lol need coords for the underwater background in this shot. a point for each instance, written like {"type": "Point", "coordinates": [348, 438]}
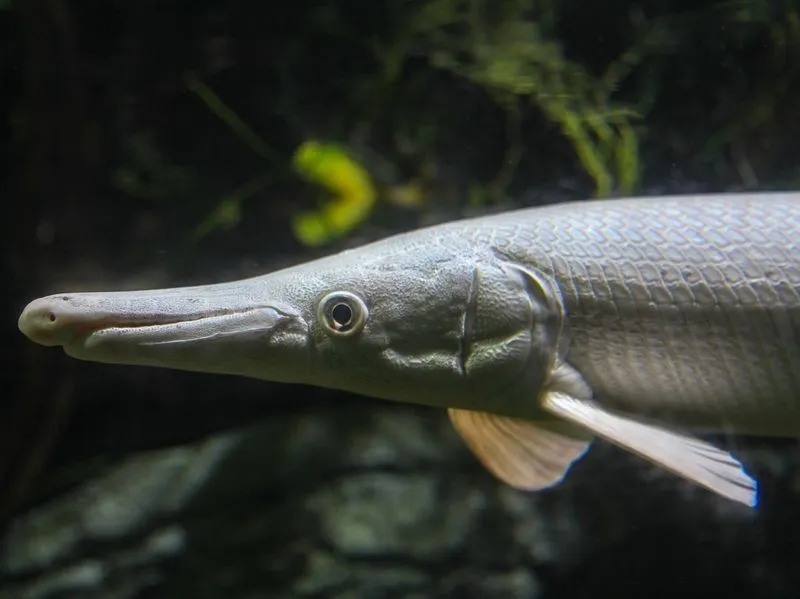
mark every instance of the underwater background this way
{"type": "Point", "coordinates": [159, 143]}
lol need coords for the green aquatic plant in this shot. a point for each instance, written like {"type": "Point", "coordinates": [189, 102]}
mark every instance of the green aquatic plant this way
{"type": "Point", "coordinates": [228, 212]}
{"type": "Point", "coordinates": [352, 193]}
{"type": "Point", "coordinates": [227, 115]}
{"type": "Point", "coordinates": [351, 189]}
{"type": "Point", "coordinates": [517, 51]}
{"type": "Point", "coordinates": [512, 55]}
{"type": "Point", "coordinates": [509, 49]}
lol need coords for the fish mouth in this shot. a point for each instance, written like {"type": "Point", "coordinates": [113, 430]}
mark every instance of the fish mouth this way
{"type": "Point", "coordinates": [243, 328]}
{"type": "Point", "coordinates": [241, 324]}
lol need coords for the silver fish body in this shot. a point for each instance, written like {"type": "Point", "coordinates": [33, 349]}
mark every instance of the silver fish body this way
{"type": "Point", "coordinates": [628, 319]}
{"type": "Point", "coordinates": [686, 309]}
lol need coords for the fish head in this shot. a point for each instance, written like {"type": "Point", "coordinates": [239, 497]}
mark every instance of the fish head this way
{"type": "Point", "coordinates": [432, 324]}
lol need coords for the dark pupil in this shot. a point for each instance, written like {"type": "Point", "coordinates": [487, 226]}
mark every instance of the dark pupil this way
{"type": "Point", "coordinates": [342, 314]}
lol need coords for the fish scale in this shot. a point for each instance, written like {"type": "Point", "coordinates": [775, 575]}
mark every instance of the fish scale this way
{"type": "Point", "coordinates": [610, 321]}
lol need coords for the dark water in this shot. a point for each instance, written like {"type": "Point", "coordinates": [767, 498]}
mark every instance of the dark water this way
{"type": "Point", "coordinates": [122, 170]}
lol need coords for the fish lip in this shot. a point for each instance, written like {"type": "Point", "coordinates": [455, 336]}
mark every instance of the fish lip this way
{"type": "Point", "coordinates": [262, 321]}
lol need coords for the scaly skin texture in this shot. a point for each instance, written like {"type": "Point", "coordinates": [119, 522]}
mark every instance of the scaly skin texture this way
{"type": "Point", "coordinates": [684, 309]}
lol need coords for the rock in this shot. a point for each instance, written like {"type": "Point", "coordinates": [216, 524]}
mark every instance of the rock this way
{"type": "Point", "coordinates": [519, 583]}
{"type": "Point", "coordinates": [393, 514]}
{"type": "Point", "coordinates": [118, 504]}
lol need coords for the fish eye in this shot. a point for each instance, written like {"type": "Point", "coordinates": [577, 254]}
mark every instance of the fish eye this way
{"type": "Point", "coordinates": [342, 313]}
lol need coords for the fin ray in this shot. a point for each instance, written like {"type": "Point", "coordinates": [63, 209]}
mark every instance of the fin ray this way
{"type": "Point", "coordinates": [526, 454]}
{"type": "Point", "coordinates": [685, 456]}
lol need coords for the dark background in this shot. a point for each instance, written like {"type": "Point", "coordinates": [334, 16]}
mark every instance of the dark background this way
{"type": "Point", "coordinates": [110, 162]}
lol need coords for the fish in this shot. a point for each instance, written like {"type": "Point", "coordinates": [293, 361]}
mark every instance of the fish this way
{"type": "Point", "coordinates": [646, 322]}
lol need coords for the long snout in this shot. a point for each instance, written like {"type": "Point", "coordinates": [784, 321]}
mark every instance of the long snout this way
{"type": "Point", "coordinates": [219, 328]}
{"type": "Point", "coordinates": [177, 314]}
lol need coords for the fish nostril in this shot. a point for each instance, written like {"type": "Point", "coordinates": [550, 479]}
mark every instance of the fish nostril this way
{"type": "Point", "coordinates": [51, 317]}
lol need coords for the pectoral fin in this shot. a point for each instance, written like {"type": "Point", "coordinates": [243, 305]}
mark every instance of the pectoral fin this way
{"type": "Point", "coordinates": [690, 458]}
{"type": "Point", "coordinates": [525, 454]}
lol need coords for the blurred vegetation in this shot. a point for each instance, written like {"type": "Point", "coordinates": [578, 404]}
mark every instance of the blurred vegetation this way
{"type": "Point", "coordinates": [353, 193]}
{"type": "Point", "coordinates": [511, 50]}
{"type": "Point", "coordinates": [328, 165]}
{"type": "Point", "coordinates": [518, 54]}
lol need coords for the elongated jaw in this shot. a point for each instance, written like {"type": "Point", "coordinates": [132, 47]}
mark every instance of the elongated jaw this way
{"type": "Point", "coordinates": [67, 321]}
{"type": "Point", "coordinates": [216, 328]}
